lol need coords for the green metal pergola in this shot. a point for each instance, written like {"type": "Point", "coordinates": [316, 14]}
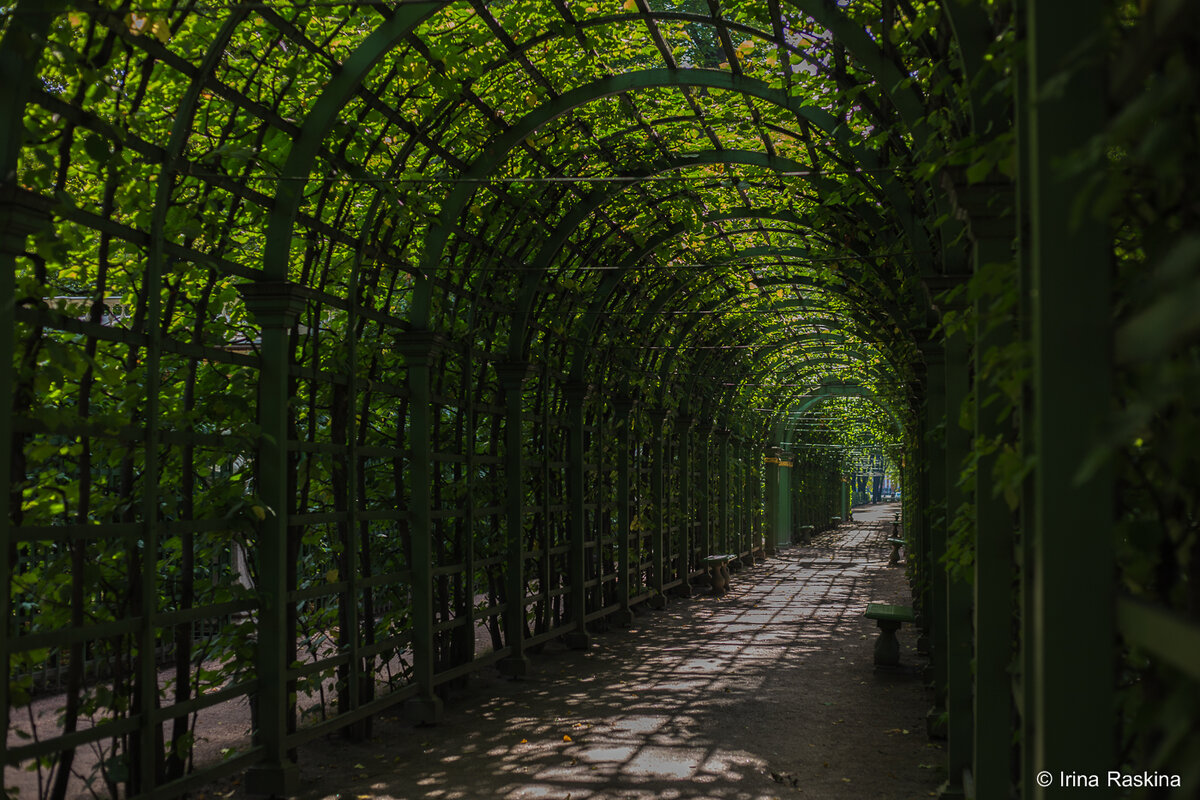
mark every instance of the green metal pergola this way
{"type": "Point", "coordinates": [342, 331]}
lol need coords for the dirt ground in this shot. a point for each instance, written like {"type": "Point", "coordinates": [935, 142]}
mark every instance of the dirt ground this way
{"type": "Point", "coordinates": [766, 692]}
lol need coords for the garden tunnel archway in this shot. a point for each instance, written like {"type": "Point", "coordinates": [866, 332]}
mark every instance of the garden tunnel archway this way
{"type": "Point", "coordinates": [501, 316]}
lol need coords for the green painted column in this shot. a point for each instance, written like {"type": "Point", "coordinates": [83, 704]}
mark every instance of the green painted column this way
{"type": "Point", "coordinates": [705, 492]}
{"type": "Point", "coordinates": [758, 503]}
{"type": "Point", "coordinates": [420, 349]}
{"type": "Point", "coordinates": [658, 420]}
{"type": "Point", "coordinates": [771, 491]}
{"type": "Point", "coordinates": [959, 600]}
{"type": "Point", "coordinates": [683, 430]}
{"type": "Point", "coordinates": [741, 538]}
{"type": "Point", "coordinates": [755, 502]}
{"type": "Point", "coordinates": [990, 213]}
{"type": "Point", "coordinates": [737, 493]}
{"type": "Point", "coordinates": [19, 57]}
{"type": "Point", "coordinates": [800, 484]}
{"type": "Point", "coordinates": [797, 509]}
{"type": "Point", "coordinates": [781, 528]}
{"type": "Point", "coordinates": [547, 576]}
{"type": "Point", "coordinates": [623, 419]}
{"type": "Point", "coordinates": [723, 490]}
{"type": "Point", "coordinates": [918, 520]}
{"type": "Point", "coordinates": [1073, 652]}
{"type": "Point", "coordinates": [745, 537]}
{"type": "Point", "coordinates": [576, 396]}
{"type": "Point", "coordinates": [17, 223]}
{"type": "Point", "coordinates": [512, 376]}
{"type": "Point", "coordinates": [1024, 679]}
{"type": "Point", "coordinates": [466, 635]}
{"type": "Point", "coordinates": [935, 509]}
{"type": "Point", "coordinates": [275, 307]}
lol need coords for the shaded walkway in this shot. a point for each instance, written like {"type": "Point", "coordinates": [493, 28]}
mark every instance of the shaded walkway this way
{"type": "Point", "coordinates": [766, 692]}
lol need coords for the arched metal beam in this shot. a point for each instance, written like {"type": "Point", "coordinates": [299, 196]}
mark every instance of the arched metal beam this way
{"type": "Point", "coordinates": [608, 284]}
{"type": "Point", "coordinates": [823, 393]}
{"type": "Point", "coordinates": [549, 252]}
{"type": "Point", "coordinates": [320, 121]}
{"type": "Point", "coordinates": [503, 144]}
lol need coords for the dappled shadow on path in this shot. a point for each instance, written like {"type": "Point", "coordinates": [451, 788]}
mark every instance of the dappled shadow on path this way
{"type": "Point", "coordinates": [766, 692]}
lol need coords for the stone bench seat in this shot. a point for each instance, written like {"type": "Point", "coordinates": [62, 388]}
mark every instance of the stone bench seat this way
{"type": "Point", "coordinates": [889, 618]}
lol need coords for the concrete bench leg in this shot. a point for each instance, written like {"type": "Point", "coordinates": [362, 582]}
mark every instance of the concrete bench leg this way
{"type": "Point", "coordinates": [719, 577]}
{"type": "Point", "coordinates": [887, 646]}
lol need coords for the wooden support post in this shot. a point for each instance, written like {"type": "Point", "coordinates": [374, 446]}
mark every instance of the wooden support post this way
{"type": "Point", "coordinates": [512, 376]}
{"type": "Point", "coordinates": [420, 348]}
{"type": "Point", "coordinates": [1072, 708]}
{"type": "Point", "coordinates": [576, 396]}
{"type": "Point", "coordinates": [275, 307]}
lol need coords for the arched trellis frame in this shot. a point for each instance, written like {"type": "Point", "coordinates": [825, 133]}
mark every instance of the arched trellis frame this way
{"type": "Point", "coordinates": [340, 293]}
{"type": "Point", "coordinates": [441, 376]}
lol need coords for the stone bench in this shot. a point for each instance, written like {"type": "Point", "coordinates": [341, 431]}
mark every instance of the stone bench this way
{"type": "Point", "coordinates": [888, 618]}
{"type": "Point", "coordinates": [718, 571]}
{"type": "Point", "coordinates": [896, 545]}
